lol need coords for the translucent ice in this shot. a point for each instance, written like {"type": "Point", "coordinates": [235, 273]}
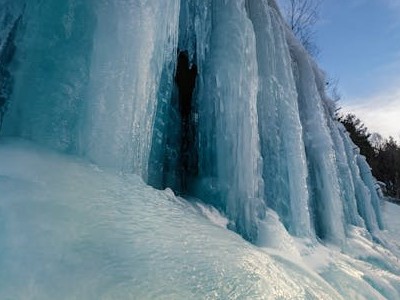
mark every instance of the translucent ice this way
{"type": "Point", "coordinates": [250, 132]}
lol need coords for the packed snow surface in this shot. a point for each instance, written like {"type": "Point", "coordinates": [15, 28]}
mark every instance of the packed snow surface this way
{"type": "Point", "coordinates": [71, 230]}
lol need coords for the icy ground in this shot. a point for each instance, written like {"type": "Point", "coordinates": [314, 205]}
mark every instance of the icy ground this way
{"type": "Point", "coordinates": [69, 230]}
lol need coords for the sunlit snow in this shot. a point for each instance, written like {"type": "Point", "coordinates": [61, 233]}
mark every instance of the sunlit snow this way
{"type": "Point", "coordinates": [70, 230]}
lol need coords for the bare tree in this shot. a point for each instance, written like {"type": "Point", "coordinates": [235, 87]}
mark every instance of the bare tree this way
{"type": "Point", "coordinates": [302, 15]}
{"type": "Point", "coordinates": [377, 141]}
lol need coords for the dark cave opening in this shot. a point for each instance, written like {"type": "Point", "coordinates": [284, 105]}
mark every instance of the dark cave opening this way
{"type": "Point", "coordinates": [185, 79]}
{"type": "Point", "coordinates": [174, 153]}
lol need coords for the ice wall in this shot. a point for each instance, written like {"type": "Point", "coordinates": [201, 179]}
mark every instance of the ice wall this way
{"type": "Point", "coordinates": [10, 19]}
{"type": "Point", "coordinates": [323, 182]}
{"type": "Point", "coordinates": [52, 58]}
{"type": "Point", "coordinates": [229, 142]}
{"type": "Point", "coordinates": [254, 131]}
{"type": "Point", "coordinates": [284, 165]}
{"type": "Point", "coordinates": [134, 47]}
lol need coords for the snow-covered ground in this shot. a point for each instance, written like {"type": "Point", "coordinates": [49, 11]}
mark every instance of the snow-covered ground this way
{"type": "Point", "coordinates": [70, 230]}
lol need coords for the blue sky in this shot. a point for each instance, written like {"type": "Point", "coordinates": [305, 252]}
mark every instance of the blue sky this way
{"type": "Point", "coordinates": [360, 45]}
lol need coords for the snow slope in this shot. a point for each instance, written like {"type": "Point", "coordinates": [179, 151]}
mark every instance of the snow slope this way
{"type": "Point", "coordinates": [71, 230]}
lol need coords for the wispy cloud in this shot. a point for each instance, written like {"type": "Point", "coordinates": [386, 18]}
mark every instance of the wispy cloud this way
{"type": "Point", "coordinates": [380, 113]}
{"type": "Point", "coordinates": [358, 3]}
{"type": "Point", "coordinates": [392, 3]}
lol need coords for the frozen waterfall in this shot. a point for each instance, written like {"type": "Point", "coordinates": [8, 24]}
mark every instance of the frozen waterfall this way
{"type": "Point", "coordinates": [252, 131]}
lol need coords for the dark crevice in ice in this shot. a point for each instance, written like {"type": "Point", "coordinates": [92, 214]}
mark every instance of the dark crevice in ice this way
{"type": "Point", "coordinates": [7, 52]}
{"type": "Point", "coordinates": [185, 79]}
{"type": "Point", "coordinates": [174, 154]}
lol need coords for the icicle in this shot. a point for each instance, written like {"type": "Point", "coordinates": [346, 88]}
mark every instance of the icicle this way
{"type": "Point", "coordinates": [285, 169]}
{"type": "Point", "coordinates": [133, 43]}
{"type": "Point", "coordinates": [326, 203]}
{"type": "Point", "coordinates": [228, 123]}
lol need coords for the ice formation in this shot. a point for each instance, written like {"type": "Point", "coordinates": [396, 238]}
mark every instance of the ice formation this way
{"type": "Point", "coordinates": [213, 99]}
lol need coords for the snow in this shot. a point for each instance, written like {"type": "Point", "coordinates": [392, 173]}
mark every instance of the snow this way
{"type": "Point", "coordinates": [70, 229]}
{"type": "Point", "coordinates": [213, 215]}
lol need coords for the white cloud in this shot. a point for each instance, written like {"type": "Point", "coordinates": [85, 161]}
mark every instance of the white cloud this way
{"type": "Point", "coordinates": [393, 3]}
{"type": "Point", "coordinates": [380, 113]}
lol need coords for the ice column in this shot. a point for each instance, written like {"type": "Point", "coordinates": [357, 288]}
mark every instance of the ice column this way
{"type": "Point", "coordinates": [285, 167]}
{"type": "Point", "coordinates": [326, 203]}
{"type": "Point", "coordinates": [228, 123]}
{"type": "Point", "coordinates": [134, 42]}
